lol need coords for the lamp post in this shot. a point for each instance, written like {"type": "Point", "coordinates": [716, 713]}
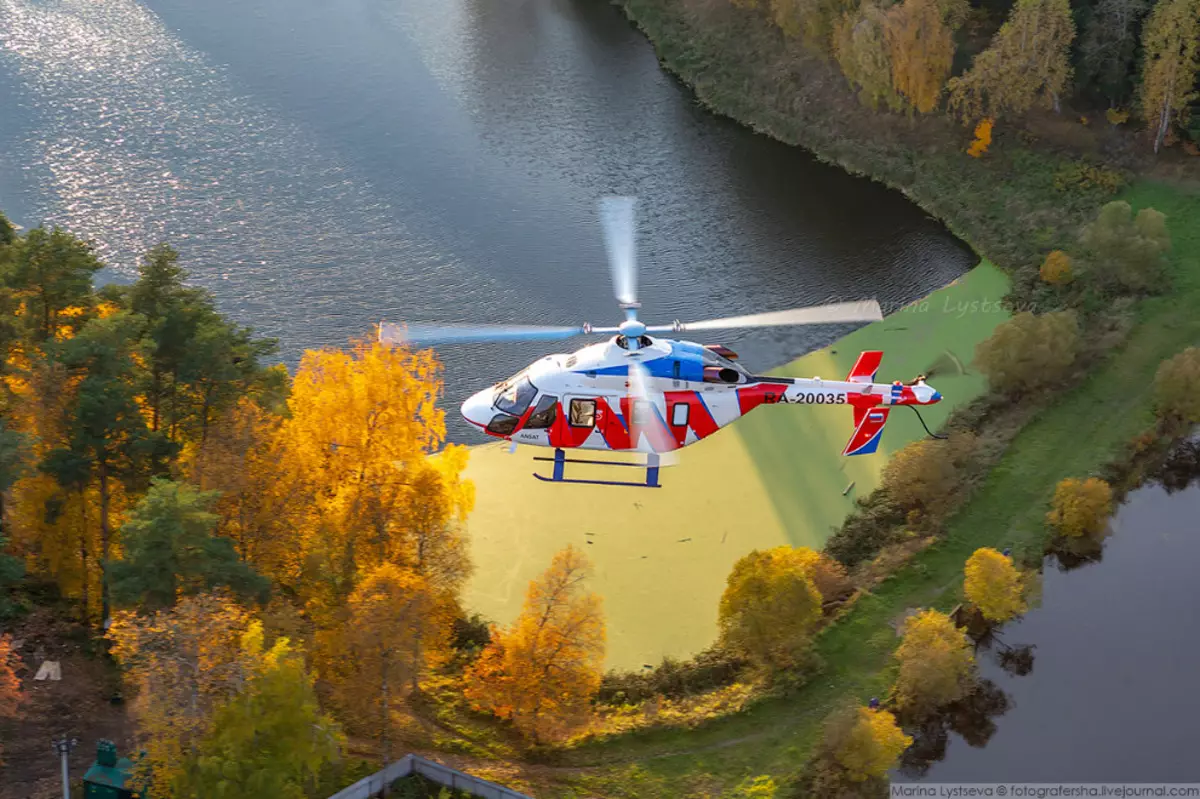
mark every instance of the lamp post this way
{"type": "Point", "coordinates": [64, 746]}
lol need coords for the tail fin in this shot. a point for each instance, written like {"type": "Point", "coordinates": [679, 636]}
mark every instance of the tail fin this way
{"type": "Point", "coordinates": [865, 367]}
{"type": "Point", "coordinates": [868, 431]}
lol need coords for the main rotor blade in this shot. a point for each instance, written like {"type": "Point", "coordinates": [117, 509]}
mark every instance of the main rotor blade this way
{"type": "Point", "coordinates": [616, 215]}
{"type": "Point", "coordinates": [461, 334]}
{"type": "Point", "coordinates": [864, 311]}
{"type": "Point", "coordinates": [641, 418]}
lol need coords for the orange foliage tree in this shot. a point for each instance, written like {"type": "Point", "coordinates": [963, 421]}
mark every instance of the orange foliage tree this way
{"type": "Point", "coordinates": [1056, 269]}
{"type": "Point", "coordinates": [12, 698]}
{"type": "Point", "coordinates": [983, 138]}
{"type": "Point", "coordinates": [543, 670]}
{"type": "Point", "coordinates": [770, 606]}
{"type": "Point", "coordinates": [922, 49]}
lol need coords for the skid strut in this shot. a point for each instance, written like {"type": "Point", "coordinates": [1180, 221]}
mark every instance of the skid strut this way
{"type": "Point", "coordinates": [560, 462]}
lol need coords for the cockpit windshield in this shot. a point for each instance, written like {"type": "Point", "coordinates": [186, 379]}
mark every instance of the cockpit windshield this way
{"type": "Point", "coordinates": [515, 395]}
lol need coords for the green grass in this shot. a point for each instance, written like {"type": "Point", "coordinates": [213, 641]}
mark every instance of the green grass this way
{"type": "Point", "coordinates": [775, 477]}
{"type": "Point", "coordinates": [1074, 437]}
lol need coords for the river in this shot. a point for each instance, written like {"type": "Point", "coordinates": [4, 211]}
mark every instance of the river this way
{"type": "Point", "coordinates": [322, 165]}
{"type": "Point", "coordinates": [1115, 641]}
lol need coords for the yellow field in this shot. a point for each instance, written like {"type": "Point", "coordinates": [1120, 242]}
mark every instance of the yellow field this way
{"type": "Point", "coordinates": [774, 477]}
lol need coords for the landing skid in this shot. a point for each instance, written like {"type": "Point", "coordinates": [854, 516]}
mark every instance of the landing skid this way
{"type": "Point", "coordinates": [560, 461]}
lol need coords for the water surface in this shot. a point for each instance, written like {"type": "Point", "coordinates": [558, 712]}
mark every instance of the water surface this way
{"type": "Point", "coordinates": [323, 165]}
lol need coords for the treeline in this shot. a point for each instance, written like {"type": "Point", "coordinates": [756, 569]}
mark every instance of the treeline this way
{"type": "Point", "coordinates": [1128, 57]}
{"type": "Point", "coordinates": [276, 564]}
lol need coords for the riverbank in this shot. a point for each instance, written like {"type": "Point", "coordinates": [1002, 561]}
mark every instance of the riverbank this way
{"type": "Point", "coordinates": [775, 477]}
{"type": "Point", "coordinates": [1082, 431]}
{"type": "Point", "coordinates": [1009, 206]}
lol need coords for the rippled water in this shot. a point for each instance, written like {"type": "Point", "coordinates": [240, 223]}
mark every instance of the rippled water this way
{"type": "Point", "coordinates": [1110, 696]}
{"type": "Point", "coordinates": [323, 165]}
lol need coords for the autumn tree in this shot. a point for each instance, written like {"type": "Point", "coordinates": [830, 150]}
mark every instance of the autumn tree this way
{"type": "Point", "coordinates": [993, 585]}
{"type": "Point", "coordinates": [1171, 62]}
{"type": "Point", "coordinates": [1029, 351]}
{"type": "Point", "coordinates": [543, 670]}
{"type": "Point", "coordinates": [1080, 507]}
{"type": "Point", "coordinates": [770, 607]}
{"type": "Point", "coordinates": [1107, 48]}
{"type": "Point", "coordinates": [271, 739]}
{"type": "Point", "coordinates": [375, 657]}
{"type": "Point", "coordinates": [259, 507]}
{"type": "Point", "coordinates": [183, 664]}
{"type": "Point", "coordinates": [1056, 269]}
{"type": "Point", "coordinates": [925, 473]}
{"type": "Point", "coordinates": [936, 664]}
{"type": "Point", "coordinates": [170, 551]}
{"type": "Point", "coordinates": [361, 425]}
{"type": "Point", "coordinates": [1029, 58]}
{"type": "Point", "coordinates": [1124, 251]}
{"type": "Point", "coordinates": [1177, 387]}
{"type": "Point", "coordinates": [813, 21]}
{"type": "Point", "coordinates": [860, 46]}
{"type": "Point", "coordinates": [870, 745]}
{"type": "Point", "coordinates": [12, 697]}
{"type": "Point", "coordinates": [920, 49]}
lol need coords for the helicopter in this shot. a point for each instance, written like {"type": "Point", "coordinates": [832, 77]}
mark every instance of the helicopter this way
{"type": "Point", "coordinates": [638, 391]}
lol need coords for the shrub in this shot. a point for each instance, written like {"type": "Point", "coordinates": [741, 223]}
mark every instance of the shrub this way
{"type": "Point", "coordinates": [983, 138]}
{"type": "Point", "coordinates": [1082, 177]}
{"type": "Point", "coordinates": [1125, 252]}
{"type": "Point", "coordinates": [1177, 387]}
{"type": "Point", "coordinates": [1080, 507]}
{"type": "Point", "coordinates": [769, 608]}
{"type": "Point", "coordinates": [925, 473]}
{"type": "Point", "coordinates": [1056, 269]}
{"type": "Point", "coordinates": [992, 584]}
{"type": "Point", "coordinates": [1029, 351]}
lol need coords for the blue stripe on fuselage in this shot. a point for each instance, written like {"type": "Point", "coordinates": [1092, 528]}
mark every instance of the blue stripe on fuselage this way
{"type": "Point", "coordinates": [689, 356]}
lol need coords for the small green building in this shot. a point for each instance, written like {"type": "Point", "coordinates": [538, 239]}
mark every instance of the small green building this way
{"type": "Point", "coordinates": [108, 778]}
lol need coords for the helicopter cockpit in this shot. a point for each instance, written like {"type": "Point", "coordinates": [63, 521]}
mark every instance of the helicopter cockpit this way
{"type": "Point", "coordinates": [512, 400]}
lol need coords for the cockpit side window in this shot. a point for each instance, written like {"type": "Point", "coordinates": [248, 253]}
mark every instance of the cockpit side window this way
{"type": "Point", "coordinates": [544, 414]}
{"type": "Point", "coordinates": [515, 397]}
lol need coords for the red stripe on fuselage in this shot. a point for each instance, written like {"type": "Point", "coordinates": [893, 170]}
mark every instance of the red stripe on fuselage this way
{"type": "Point", "coordinates": [750, 397]}
{"type": "Point", "coordinates": [700, 418]}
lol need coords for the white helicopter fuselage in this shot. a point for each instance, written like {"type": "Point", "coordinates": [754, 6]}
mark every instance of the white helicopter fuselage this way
{"type": "Point", "coordinates": [583, 400]}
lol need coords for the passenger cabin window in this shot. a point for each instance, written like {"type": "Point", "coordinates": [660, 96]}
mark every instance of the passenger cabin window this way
{"type": "Point", "coordinates": [679, 414]}
{"type": "Point", "coordinates": [583, 413]}
{"type": "Point", "coordinates": [515, 397]}
{"type": "Point", "coordinates": [543, 414]}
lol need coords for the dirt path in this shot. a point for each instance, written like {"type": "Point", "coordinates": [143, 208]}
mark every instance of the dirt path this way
{"type": "Point", "coordinates": [77, 706]}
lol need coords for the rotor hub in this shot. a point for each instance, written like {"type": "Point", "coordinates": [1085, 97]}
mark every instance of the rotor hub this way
{"type": "Point", "coordinates": [632, 328]}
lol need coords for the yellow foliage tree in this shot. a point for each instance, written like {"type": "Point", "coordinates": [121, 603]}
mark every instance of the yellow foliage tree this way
{"type": "Point", "coordinates": [183, 663]}
{"type": "Point", "coordinates": [770, 606]}
{"type": "Point", "coordinates": [1029, 57]}
{"type": "Point", "coordinates": [921, 50]}
{"type": "Point", "coordinates": [993, 585]}
{"type": "Point", "coordinates": [936, 664]}
{"type": "Point", "coordinates": [376, 655]}
{"type": "Point", "coordinates": [1080, 507]}
{"type": "Point", "coordinates": [872, 745]}
{"type": "Point", "coordinates": [1171, 44]}
{"type": "Point", "coordinates": [924, 474]}
{"type": "Point", "coordinates": [1177, 387]}
{"type": "Point", "coordinates": [1056, 269]}
{"type": "Point", "coordinates": [361, 427]}
{"type": "Point", "coordinates": [543, 671]}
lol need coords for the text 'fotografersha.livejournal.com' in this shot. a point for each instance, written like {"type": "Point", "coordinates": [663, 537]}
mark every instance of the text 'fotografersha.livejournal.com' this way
{"type": "Point", "coordinates": [1043, 790]}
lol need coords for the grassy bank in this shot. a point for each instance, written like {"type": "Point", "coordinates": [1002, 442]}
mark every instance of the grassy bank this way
{"type": "Point", "coordinates": [1014, 204]}
{"type": "Point", "coordinates": [1075, 436]}
{"type": "Point", "coordinates": [775, 477]}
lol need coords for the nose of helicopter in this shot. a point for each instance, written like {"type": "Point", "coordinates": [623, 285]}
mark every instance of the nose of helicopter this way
{"type": "Point", "coordinates": [478, 408]}
{"type": "Point", "coordinates": [937, 397]}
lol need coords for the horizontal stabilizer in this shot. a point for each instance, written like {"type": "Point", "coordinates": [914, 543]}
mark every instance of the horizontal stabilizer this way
{"type": "Point", "coordinates": [867, 434]}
